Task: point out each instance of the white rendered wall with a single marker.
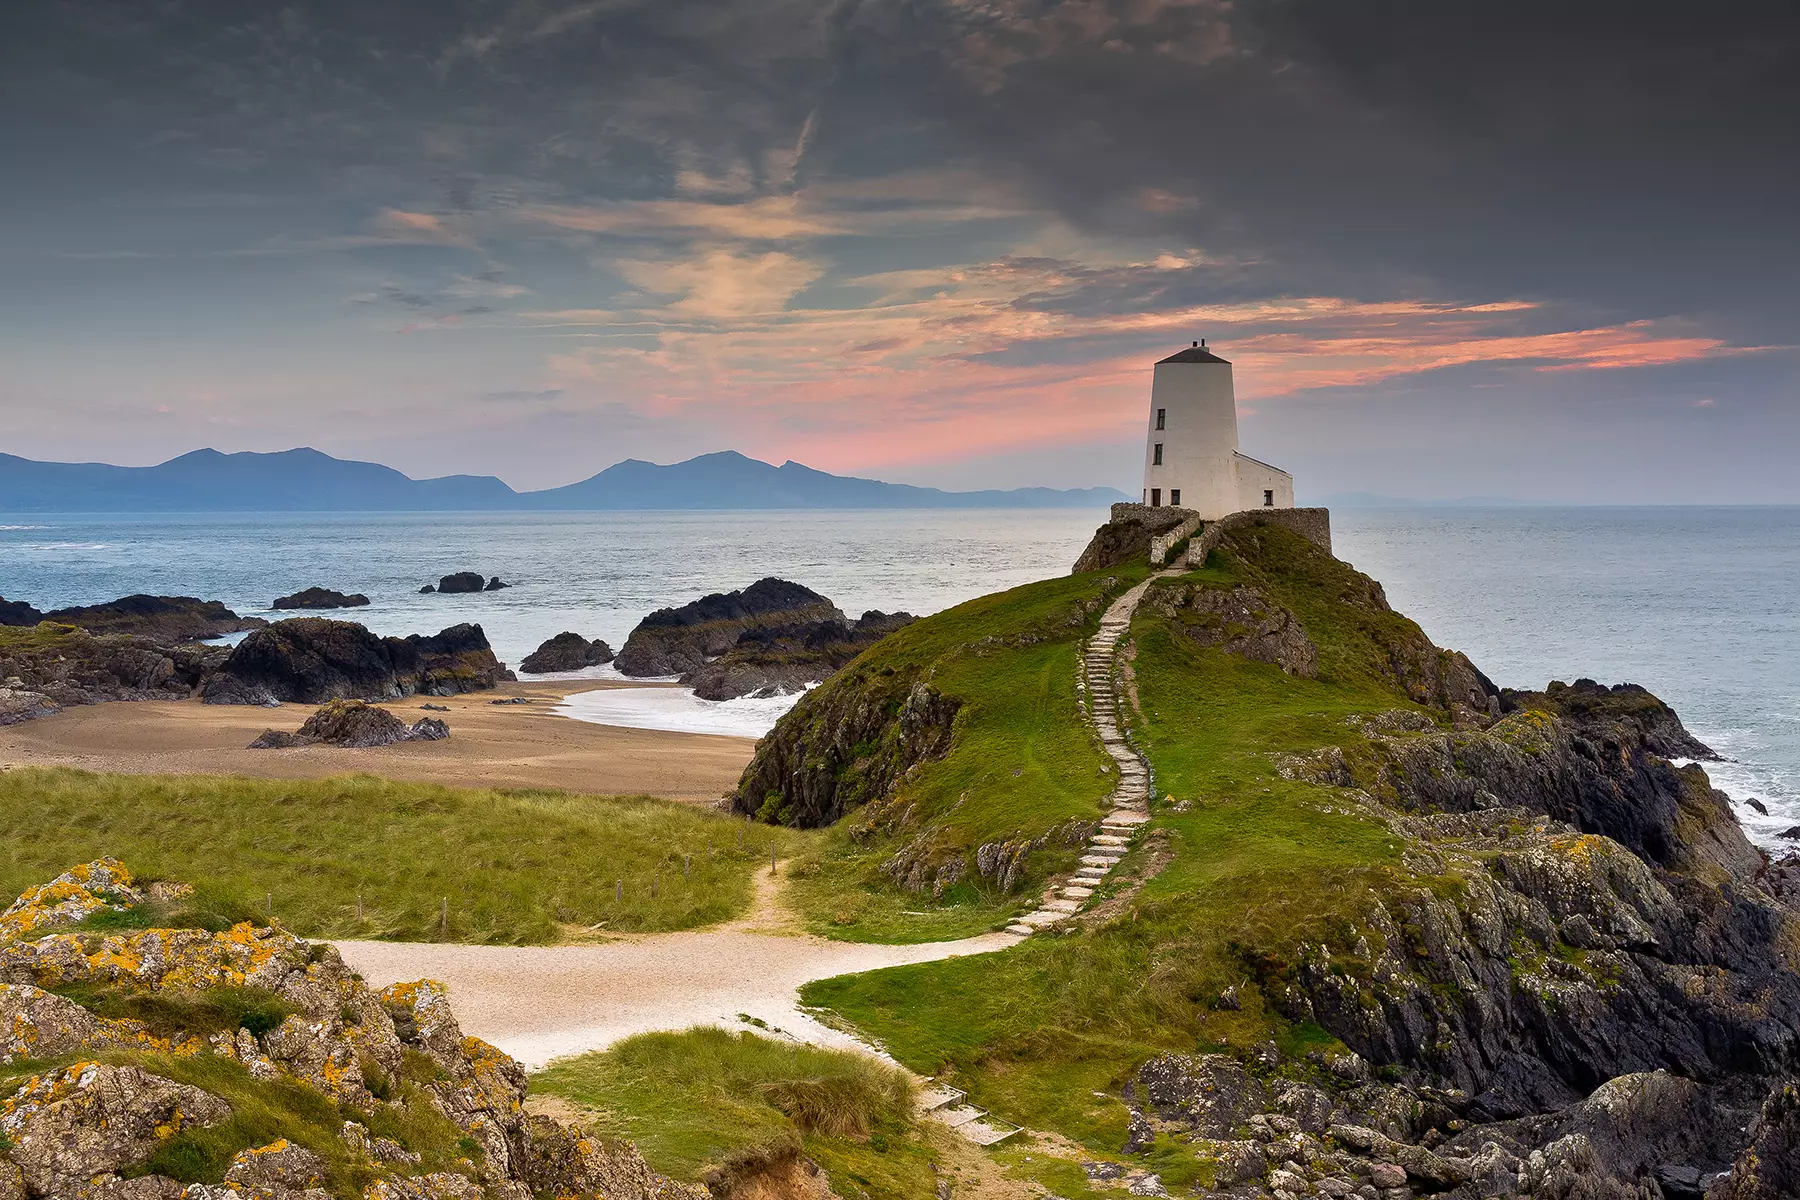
(1199, 438)
(1254, 478)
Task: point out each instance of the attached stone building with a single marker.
(1191, 456)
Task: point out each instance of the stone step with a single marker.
(1074, 891)
(1119, 820)
(1062, 906)
(1100, 860)
(937, 1096)
(959, 1114)
(986, 1133)
(1041, 918)
(1021, 930)
(1108, 839)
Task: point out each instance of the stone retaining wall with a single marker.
(1313, 524)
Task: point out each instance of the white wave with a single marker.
(677, 710)
(65, 546)
(12, 528)
(603, 671)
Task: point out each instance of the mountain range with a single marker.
(307, 480)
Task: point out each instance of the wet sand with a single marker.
(490, 745)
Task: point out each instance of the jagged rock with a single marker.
(1238, 620)
(312, 660)
(72, 1124)
(58, 665)
(1769, 1167)
(1211, 1094)
(354, 724)
(567, 652)
(562, 1161)
(103, 885)
(495, 584)
(19, 704)
(17, 612)
(784, 659)
(677, 641)
(157, 618)
(280, 1164)
(318, 597)
(38, 1024)
(460, 582)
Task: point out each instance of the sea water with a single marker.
(1701, 605)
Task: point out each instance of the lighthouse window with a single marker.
(1161, 416)
(1156, 456)
(1175, 497)
(1268, 498)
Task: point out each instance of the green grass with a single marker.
(700, 1098)
(1021, 764)
(168, 1012)
(1258, 865)
(516, 866)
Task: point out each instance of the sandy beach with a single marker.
(490, 745)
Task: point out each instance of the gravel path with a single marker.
(542, 1002)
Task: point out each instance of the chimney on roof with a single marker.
(1203, 343)
(1196, 345)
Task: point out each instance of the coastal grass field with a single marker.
(1021, 764)
(1238, 868)
(708, 1097)
(509, 867)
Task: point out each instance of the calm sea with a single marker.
(1701, 605)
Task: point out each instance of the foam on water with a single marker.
(678, 710)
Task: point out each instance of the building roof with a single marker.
(1259, 462)
(1194, 354)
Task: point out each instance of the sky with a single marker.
(1545, 249)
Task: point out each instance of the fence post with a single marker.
(618, 891)
(687, 865)
(444, 919)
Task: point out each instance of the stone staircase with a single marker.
(1130, 800)
(945, 1104)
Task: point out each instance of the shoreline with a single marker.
(528, 745)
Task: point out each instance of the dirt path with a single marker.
(543, 1002)
(490, 745)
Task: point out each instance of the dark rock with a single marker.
(461, 581)
(1756, 804)
(311, 660)
(512, 700)
(353, 724)
(57, 665)
(495, 584)
(158, 618)
(1769, 1167)
(1791, 833)
(318, 597)
(566, 652)
(784, 659)
(677, 641)
(17, 612)
(435, 707)
(428, 590)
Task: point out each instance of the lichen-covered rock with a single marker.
(61, 666)
(38, 1024)
(104, 885)
(440, 1186)
(73, 1124)
(280, 1164)
(564, 1161)
(19, 704)
(1769, 1167)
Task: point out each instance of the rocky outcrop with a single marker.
(17, 612)
(1125, 539)
(679, 641)
(318, 597)
(460, 582)
(115, 1100)
(353, 724)
(566, 652)
(846, 746)
(1239, 620)
(155, 618)
(311, 660)
(58, 666)
(783, 659)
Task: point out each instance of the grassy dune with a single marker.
(709, 1097)
(515, 866)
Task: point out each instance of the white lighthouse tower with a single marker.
(1191, 457)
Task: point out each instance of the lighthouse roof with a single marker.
(1194, 354)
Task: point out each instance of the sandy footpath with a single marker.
(490, 745)
(538, 1003)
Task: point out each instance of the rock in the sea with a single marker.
(428, 589)
(773, 636)
(567, 652)
(310, 660)
(158, 618)
(1791, 833)
(354, 724)
(461, 581)
(1756, 804)
(318, 597)
(495, 583)
(17, 612)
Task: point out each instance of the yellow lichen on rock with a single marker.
(71, 898)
